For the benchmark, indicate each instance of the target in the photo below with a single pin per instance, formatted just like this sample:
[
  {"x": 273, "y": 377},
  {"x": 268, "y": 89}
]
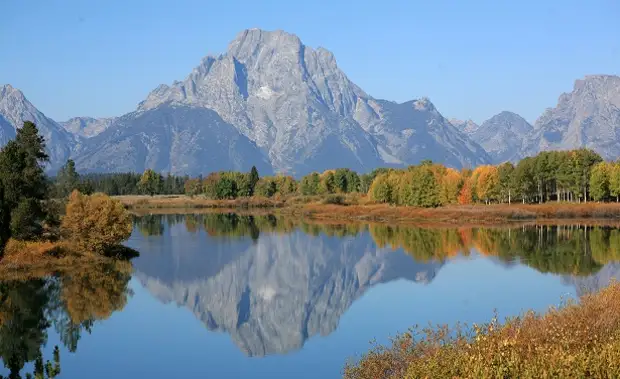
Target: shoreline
[{"x": 357, "y": 211}]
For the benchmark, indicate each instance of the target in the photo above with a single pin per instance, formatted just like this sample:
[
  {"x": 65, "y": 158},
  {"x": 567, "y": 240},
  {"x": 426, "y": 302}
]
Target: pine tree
[
  {"x": 67, "y": 179},
  {"x": 24, "y": 184},
  {"x": 254, "y": 178}
]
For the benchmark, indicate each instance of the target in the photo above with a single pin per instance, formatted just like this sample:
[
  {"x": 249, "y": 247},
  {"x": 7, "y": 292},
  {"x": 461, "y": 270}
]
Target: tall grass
[
  {"x": 579, "y": 340},
  {"x": 359, "y": 207}
]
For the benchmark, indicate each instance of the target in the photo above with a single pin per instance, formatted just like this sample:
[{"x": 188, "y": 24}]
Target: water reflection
[
  {"x": 70, "y": 299},
  {"x": 272, "y": 283}
]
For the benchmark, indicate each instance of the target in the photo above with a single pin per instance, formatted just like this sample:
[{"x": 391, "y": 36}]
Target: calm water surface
[{"x": 231, "y": 297}]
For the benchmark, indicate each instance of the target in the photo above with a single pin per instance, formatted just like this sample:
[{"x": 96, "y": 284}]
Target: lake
[{"x": 230, "y": 296}]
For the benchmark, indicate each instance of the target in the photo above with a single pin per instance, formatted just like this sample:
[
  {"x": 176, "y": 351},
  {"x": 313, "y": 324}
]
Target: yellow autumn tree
[
  {"x": 450, "y": 186},
  {"x": 486, "y": 183},
  {"x": 95, "y": 222}
]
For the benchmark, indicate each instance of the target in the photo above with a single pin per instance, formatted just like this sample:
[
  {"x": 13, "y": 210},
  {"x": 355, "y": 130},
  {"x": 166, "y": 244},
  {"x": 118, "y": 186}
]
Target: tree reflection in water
[
  {"x": 565, "y": 249},
  {"x": 71, "y": 300}
]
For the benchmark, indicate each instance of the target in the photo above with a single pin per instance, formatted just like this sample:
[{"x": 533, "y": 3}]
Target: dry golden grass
[
  {"x": 138, "y": 202},
  {"x": 579, "y": 340},
  {"x": 353, "y": 207},
  {"x": 24, "y": 260}
]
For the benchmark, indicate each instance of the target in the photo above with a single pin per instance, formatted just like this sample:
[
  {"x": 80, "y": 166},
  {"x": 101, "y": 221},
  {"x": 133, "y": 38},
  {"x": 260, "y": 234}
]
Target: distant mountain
[
  {"x": 273, "y": 294},
  {"x": 87, "y": 126},
  {"x": 589, "y": 117},
  {"x": 304, "y": 113},
  {"x": 15, "y": 109},
  {"x": 502, "y": 136},
  {"x": 467, "y": 127},
  {"x": 170, "y": 138}
]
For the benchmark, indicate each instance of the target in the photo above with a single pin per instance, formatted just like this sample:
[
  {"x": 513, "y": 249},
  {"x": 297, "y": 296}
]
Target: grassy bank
[
  {"x": 358, "y": 208},
  {"x": 579, "y": 340},
  {"x": 24, "y": 260}
]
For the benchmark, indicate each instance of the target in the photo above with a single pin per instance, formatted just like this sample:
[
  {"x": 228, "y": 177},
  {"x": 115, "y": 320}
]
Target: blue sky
[{"x": 472, "y": 58}]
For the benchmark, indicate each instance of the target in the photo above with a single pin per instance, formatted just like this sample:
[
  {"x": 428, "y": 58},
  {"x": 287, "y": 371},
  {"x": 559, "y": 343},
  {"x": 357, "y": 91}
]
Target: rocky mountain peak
[
  {"x": 467, "y": 126},
  {"x": 10, "y": 93},
  {"x": 87, "y": 126},
  {"x": 424, "y": 104},
  {"x": 254, "y": 42},
  {"x": 502, "y": 136},
  {"x": 509, "y": 120},
  {"x": 589, "y": 116},
  {"x": 15, "y": 109}
]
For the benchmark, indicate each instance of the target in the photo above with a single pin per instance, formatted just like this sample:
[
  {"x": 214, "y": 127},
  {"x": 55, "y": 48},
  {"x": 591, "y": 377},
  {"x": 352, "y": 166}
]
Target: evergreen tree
[
  {"x": 254, "y": 178},
  {"x": 24, "y": 183},
  {"x": 614, "y": 180},
  {"x": 67, "y": 179}
]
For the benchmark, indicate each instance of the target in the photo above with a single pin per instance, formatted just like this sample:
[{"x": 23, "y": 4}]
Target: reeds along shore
[
  {"x": 579, "y": 340},
  {"x": 356, "y": 207}
]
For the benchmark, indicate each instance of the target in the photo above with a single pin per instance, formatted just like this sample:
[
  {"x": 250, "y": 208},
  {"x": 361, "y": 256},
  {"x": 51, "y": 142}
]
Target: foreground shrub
[
  {"x": 95, "y": 222},
  {"x": 577, "y": 341},
  {"x": 334, "y": 199}
]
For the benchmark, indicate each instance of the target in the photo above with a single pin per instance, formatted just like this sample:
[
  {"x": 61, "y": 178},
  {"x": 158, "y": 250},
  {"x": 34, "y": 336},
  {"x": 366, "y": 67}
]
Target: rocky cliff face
[
  {"x": 87, "y": 126},
  {"x": 274, "y": 294},
  {"x": 15, "y": 109},
  {"x": 305, "y": 114},
  {"x": 503, "y": 136},
  {"x": 171, "y": 138},
  {"x": 468, "y": 127},
  {"x": 589, "y": 117}
]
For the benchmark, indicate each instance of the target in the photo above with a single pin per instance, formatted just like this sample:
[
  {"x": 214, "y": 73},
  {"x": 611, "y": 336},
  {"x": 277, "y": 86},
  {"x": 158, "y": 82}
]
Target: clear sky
[{"x": 472, "y": 58}]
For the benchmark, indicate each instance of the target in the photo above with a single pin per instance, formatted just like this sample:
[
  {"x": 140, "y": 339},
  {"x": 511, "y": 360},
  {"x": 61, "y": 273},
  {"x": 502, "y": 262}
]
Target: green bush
[
  {"x": 26, "y": 220},
  {"x": 334, "y": 199}
]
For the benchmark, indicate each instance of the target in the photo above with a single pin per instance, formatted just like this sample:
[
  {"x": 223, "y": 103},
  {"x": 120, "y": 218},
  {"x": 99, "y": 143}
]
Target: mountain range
[{"x": 273, "y": 102}]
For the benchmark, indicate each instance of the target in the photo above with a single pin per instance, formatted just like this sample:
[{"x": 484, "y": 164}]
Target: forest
[{"x": 562, "y": 176}]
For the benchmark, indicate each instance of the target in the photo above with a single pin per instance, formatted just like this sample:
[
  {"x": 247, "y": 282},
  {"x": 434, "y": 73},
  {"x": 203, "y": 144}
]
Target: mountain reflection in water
[{"x": 271, "y": 283}]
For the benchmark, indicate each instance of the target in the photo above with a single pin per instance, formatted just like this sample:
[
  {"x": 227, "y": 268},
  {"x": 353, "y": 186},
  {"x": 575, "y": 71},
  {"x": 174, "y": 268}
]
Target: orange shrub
[{"x": 95, "y": 222}]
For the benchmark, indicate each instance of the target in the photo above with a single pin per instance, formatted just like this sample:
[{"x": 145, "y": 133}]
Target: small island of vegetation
[{"x": 37, "y": 229}]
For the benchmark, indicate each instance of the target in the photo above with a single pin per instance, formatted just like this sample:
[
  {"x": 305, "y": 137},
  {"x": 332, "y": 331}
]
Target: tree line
[
  {"x": 570, "y": 176},
  {"x": 114, "y": 184}
]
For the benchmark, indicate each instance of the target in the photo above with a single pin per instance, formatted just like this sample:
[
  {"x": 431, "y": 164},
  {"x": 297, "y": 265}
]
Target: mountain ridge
[{"x": 290, "y": 108}]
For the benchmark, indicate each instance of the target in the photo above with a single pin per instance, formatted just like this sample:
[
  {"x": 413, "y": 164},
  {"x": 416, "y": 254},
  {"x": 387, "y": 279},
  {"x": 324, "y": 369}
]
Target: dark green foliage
[
  {"x": 266, "y": 187},
  {"x": 346, "y": 181},
  {"x": 254, "y": 178},
  {"x": 67, "y": 179},
  {"x": 327, "y": 184},
  {"x": 226, "y": 188},
  {"x": 23, "y": 184},
  {"x": 26, "y": 220},
  {"x": 336, "y": 199},
  {"x": 310, "y": 184}
]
